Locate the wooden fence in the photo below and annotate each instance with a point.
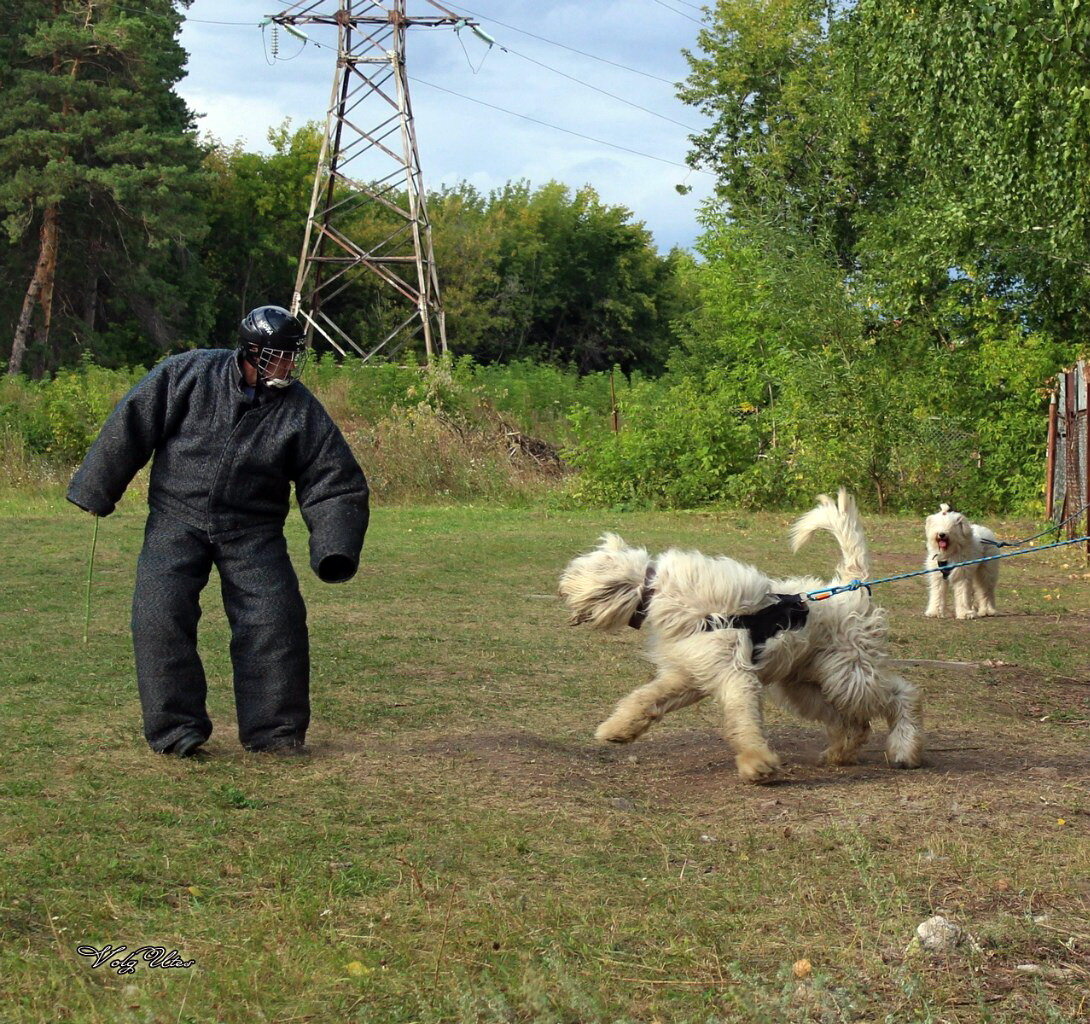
(1067, 487)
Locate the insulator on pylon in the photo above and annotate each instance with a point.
(274, 43)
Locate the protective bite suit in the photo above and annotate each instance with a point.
(219, 494)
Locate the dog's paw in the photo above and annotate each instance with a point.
(757, 765)
(968, 613)
(933, 613)
(834, 757)
(987, 610)
(905, 754)
(610, 732)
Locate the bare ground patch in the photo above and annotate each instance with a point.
(969, 780)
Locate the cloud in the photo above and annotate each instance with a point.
(453, 77)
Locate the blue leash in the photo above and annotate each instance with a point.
(821, 595)
(1051, 529)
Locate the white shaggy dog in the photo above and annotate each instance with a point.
(952, 538)
(829, 664)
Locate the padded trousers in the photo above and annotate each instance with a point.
(270, 648)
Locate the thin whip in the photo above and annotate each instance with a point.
(90, 570)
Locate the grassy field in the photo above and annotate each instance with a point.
(458, 849)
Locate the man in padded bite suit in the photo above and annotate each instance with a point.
(230, 431)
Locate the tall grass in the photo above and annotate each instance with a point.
(450, 432)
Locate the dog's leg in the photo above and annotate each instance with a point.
(963, 595)
(936, 600)
(984, 584)
(669, 690)
(904, 745)
(846, 734)
(740, 699)
(845, 739)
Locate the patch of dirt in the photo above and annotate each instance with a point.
(1027, 693)
(968, 779)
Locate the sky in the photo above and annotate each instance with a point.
(240, 92)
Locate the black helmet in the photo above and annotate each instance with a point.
(272, 341)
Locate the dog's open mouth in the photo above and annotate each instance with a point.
(943, 543)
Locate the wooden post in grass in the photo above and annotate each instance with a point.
(1050, 465)
(1072, 468)
(1082, 369)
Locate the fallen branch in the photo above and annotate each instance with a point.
(909, 662)
(1062, 931)
(443, 941)
(655, 981)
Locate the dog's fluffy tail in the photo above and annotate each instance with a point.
(841, 519)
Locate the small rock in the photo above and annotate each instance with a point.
(938, 935)
(1055, 973)
(708, 839)
(804, 993)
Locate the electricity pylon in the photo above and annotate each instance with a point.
(370, 127)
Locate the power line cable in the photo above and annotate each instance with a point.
(604, 92)
(184, 17)
(563, 46)
(546, 124)
(681, 13)
(205, 21)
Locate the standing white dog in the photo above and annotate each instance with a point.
(718, 627)
(952, 538)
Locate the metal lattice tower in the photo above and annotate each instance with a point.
(369, 155)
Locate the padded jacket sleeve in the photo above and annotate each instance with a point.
(333, 498)
(126, 442)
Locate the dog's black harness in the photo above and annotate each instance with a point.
(789, 612)
(945, 567)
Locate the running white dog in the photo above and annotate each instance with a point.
(718, 627)
(952, 538)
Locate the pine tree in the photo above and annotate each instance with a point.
(98, 155)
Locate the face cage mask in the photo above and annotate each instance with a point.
(265, 358)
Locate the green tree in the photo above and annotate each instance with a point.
(257, 210)
(98, 159)
(570, 280)
(992, 101)
(789, 133)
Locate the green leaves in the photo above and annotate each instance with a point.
(91, 129)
